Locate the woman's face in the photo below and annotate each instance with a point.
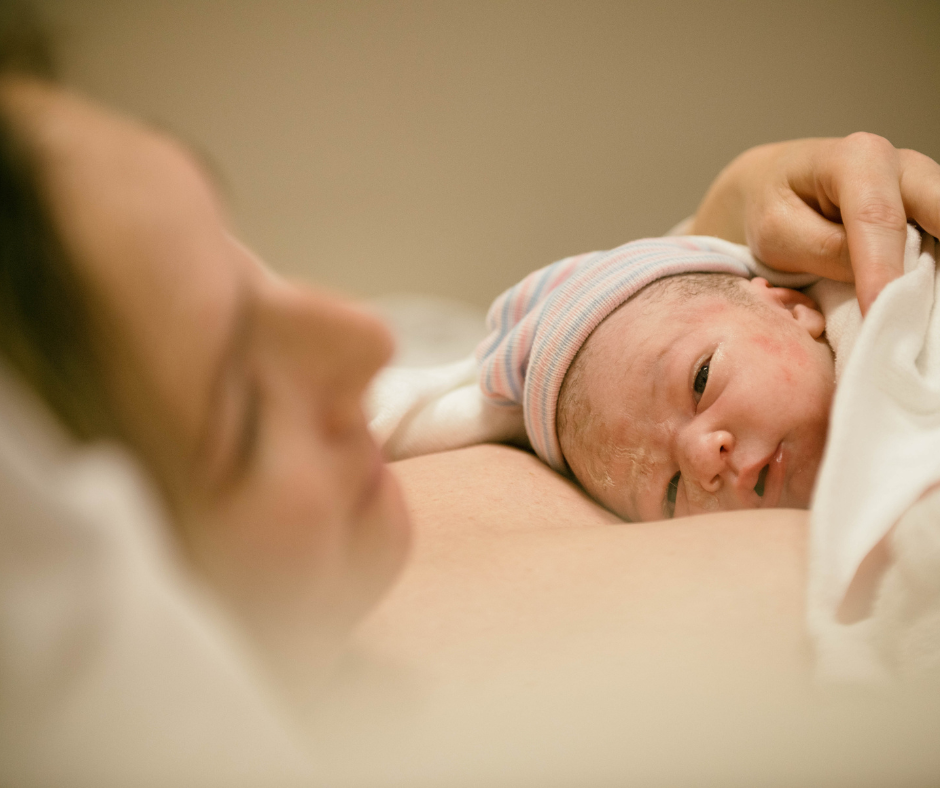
(240, 391)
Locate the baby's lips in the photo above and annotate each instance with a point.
(776, 476)
(761, 484)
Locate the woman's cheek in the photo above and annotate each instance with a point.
(279, 526)
(294, 522)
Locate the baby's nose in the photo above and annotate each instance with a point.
(708, 456)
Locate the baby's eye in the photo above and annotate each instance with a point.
(701, 380)
(669, 502)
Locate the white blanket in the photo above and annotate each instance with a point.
(883, 452)
(429, 409)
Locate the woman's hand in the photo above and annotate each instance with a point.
(833, 207)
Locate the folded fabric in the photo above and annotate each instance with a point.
(882, 454)
(423, 410)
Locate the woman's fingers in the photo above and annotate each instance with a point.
(836, 208)
(878, 188)
(789, 235)
(869, 187)
(865, 183)
(920, 189)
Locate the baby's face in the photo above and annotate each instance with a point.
(704, 404)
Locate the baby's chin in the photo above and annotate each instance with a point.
(802, 480)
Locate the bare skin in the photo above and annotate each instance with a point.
(557, 642)
(511, 559)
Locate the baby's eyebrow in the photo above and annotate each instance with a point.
(659, 360)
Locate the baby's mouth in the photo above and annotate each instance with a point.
(761, 478)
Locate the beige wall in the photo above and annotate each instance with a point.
(451, 147)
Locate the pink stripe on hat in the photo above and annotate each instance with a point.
(538, 325)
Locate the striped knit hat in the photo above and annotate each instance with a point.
(537, 327)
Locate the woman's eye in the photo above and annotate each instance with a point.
(669, 502)
(249, 428)
(701, 380)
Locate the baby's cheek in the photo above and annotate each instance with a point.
(767, 345)
(791, 359)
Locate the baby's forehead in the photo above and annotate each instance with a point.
(621, 374)
(666, 310)
(635, 335)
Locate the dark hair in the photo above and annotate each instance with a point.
(44, 325)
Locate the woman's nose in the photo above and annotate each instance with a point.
(707, 453)
(336, 348)
(353, 346)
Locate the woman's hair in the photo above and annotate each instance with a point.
(24, 44)
(44, 325)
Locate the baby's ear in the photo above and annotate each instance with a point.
(801, 307)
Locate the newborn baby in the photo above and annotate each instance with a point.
(703, 392)
(666, 377)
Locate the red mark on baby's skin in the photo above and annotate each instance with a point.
(789, 356)
(770, 346)
(788, 352)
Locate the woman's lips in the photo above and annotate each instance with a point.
(373, 479)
